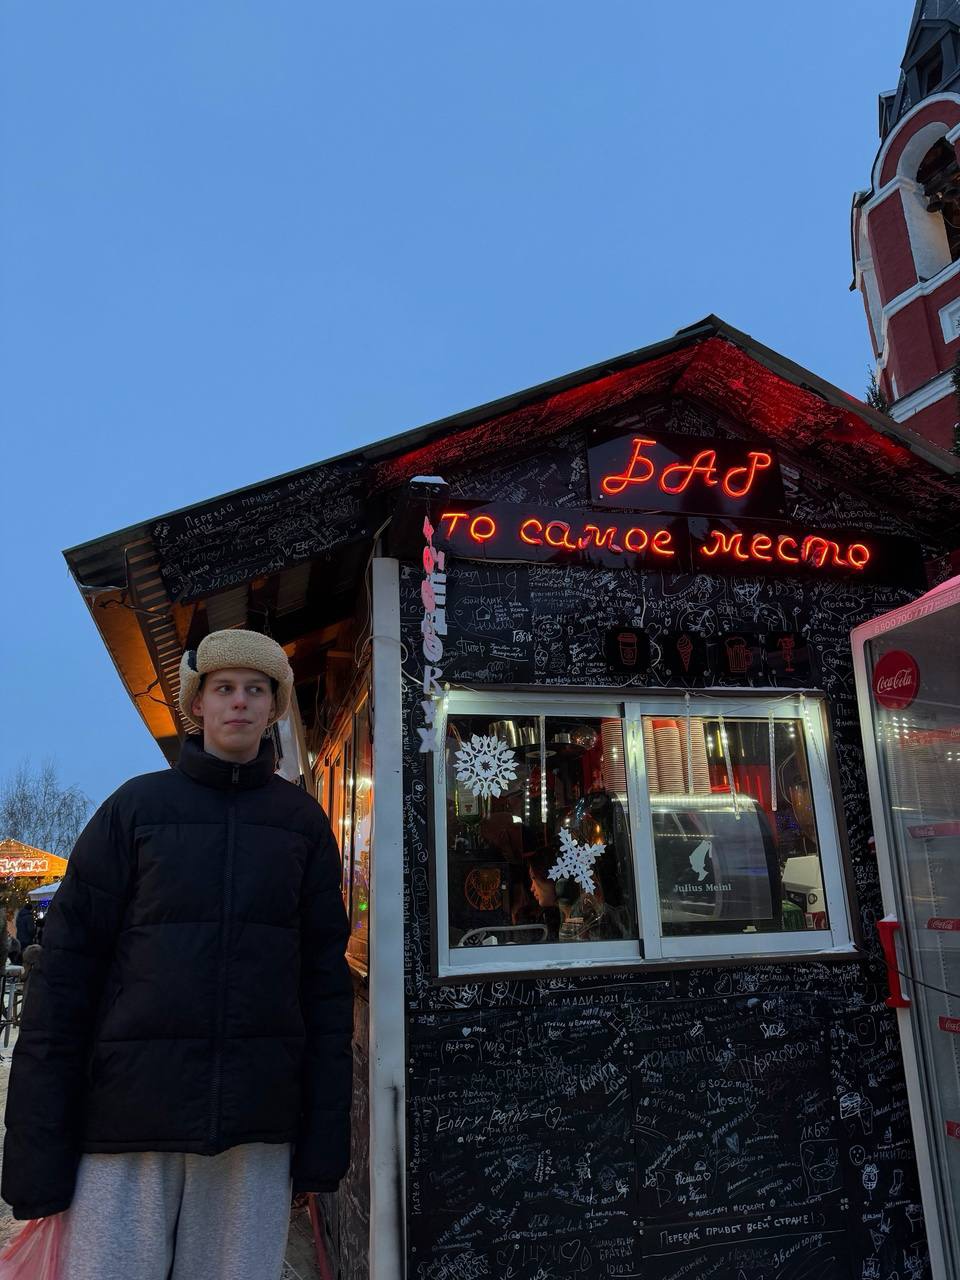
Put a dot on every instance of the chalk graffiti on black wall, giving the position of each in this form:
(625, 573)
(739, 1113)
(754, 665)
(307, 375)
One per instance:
(745, 1123)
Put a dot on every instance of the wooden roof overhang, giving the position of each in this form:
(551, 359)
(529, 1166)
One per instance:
(295, 547)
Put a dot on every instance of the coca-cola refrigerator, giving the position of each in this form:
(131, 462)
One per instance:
(907, 667)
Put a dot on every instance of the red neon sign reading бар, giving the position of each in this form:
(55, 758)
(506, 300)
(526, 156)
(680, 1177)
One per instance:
(686, 474)
(735, 482)
(508, 532)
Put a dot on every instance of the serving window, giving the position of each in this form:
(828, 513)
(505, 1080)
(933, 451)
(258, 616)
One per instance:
(574, 831)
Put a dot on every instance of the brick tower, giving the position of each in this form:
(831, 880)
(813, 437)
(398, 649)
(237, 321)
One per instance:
(906, 229)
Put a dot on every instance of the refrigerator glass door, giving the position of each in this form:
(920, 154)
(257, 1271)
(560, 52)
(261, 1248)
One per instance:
(912, 682)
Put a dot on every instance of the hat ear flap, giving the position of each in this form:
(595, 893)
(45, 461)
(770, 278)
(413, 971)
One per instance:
(189, 687)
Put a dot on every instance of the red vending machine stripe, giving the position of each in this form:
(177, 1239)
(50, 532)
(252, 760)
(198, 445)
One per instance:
(935, 830)
(886, 928)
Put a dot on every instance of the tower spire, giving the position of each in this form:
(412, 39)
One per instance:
(931, 59)
(906, 230)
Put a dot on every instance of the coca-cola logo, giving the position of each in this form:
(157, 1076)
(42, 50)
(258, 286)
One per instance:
(896, 680)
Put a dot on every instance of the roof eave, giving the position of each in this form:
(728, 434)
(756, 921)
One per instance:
(881, 422)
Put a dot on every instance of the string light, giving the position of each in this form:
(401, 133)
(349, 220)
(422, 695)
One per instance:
(725, 756)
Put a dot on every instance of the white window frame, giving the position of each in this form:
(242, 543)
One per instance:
(810, 711)
(548, 955)
(808, 707)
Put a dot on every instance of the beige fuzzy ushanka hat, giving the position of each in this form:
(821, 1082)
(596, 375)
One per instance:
(231, 649)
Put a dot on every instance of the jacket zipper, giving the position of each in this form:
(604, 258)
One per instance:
(224, 944)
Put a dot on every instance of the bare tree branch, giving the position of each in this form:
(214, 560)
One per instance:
(37, 809)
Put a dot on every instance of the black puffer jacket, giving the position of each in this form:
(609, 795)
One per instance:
(192, 993)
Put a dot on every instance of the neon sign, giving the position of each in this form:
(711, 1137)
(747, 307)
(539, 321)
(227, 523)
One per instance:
(433, 595)
(23, 866)
(700, 544)
(503, 531)
(814, 550)
(685, 473)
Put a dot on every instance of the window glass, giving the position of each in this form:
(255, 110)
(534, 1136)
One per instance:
(334, 795)
(361, 833)
(338, 809)
(538, 844)
(735, 841)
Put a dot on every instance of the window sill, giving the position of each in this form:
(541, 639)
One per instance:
(492, 973)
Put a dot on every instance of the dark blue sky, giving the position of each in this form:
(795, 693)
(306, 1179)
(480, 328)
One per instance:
(236, 238)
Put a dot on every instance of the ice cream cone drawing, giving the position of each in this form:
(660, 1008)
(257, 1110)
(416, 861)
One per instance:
(685, 650)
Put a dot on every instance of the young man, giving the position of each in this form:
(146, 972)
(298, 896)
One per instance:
(171, 1085)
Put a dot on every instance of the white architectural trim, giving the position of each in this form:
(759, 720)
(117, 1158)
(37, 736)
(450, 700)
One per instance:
(866, 281)
(918, 145)
(950, 320)
(922, 398)
(928, 238)
(927, 232)
(953, 134)
(922, 289)
(902, 124)
(388, 1161)
(895, 183)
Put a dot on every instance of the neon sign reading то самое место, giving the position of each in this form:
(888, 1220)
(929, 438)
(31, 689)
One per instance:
(676, 503)
(508, 532)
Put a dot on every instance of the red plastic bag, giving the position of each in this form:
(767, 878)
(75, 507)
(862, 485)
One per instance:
(34, 1253)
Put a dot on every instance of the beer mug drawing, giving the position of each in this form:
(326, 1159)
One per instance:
(739, 657)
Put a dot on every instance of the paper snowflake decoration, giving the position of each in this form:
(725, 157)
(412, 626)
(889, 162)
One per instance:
(576, 862)
(486, 765)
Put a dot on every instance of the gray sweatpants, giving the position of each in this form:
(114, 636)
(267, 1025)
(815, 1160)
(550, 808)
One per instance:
(160, 1215)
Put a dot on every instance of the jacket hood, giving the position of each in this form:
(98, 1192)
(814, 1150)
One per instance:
(211, 771)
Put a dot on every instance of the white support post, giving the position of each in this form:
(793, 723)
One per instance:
(387, 1032)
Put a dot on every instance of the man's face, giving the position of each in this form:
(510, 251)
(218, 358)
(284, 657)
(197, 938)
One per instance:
(234, 706)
